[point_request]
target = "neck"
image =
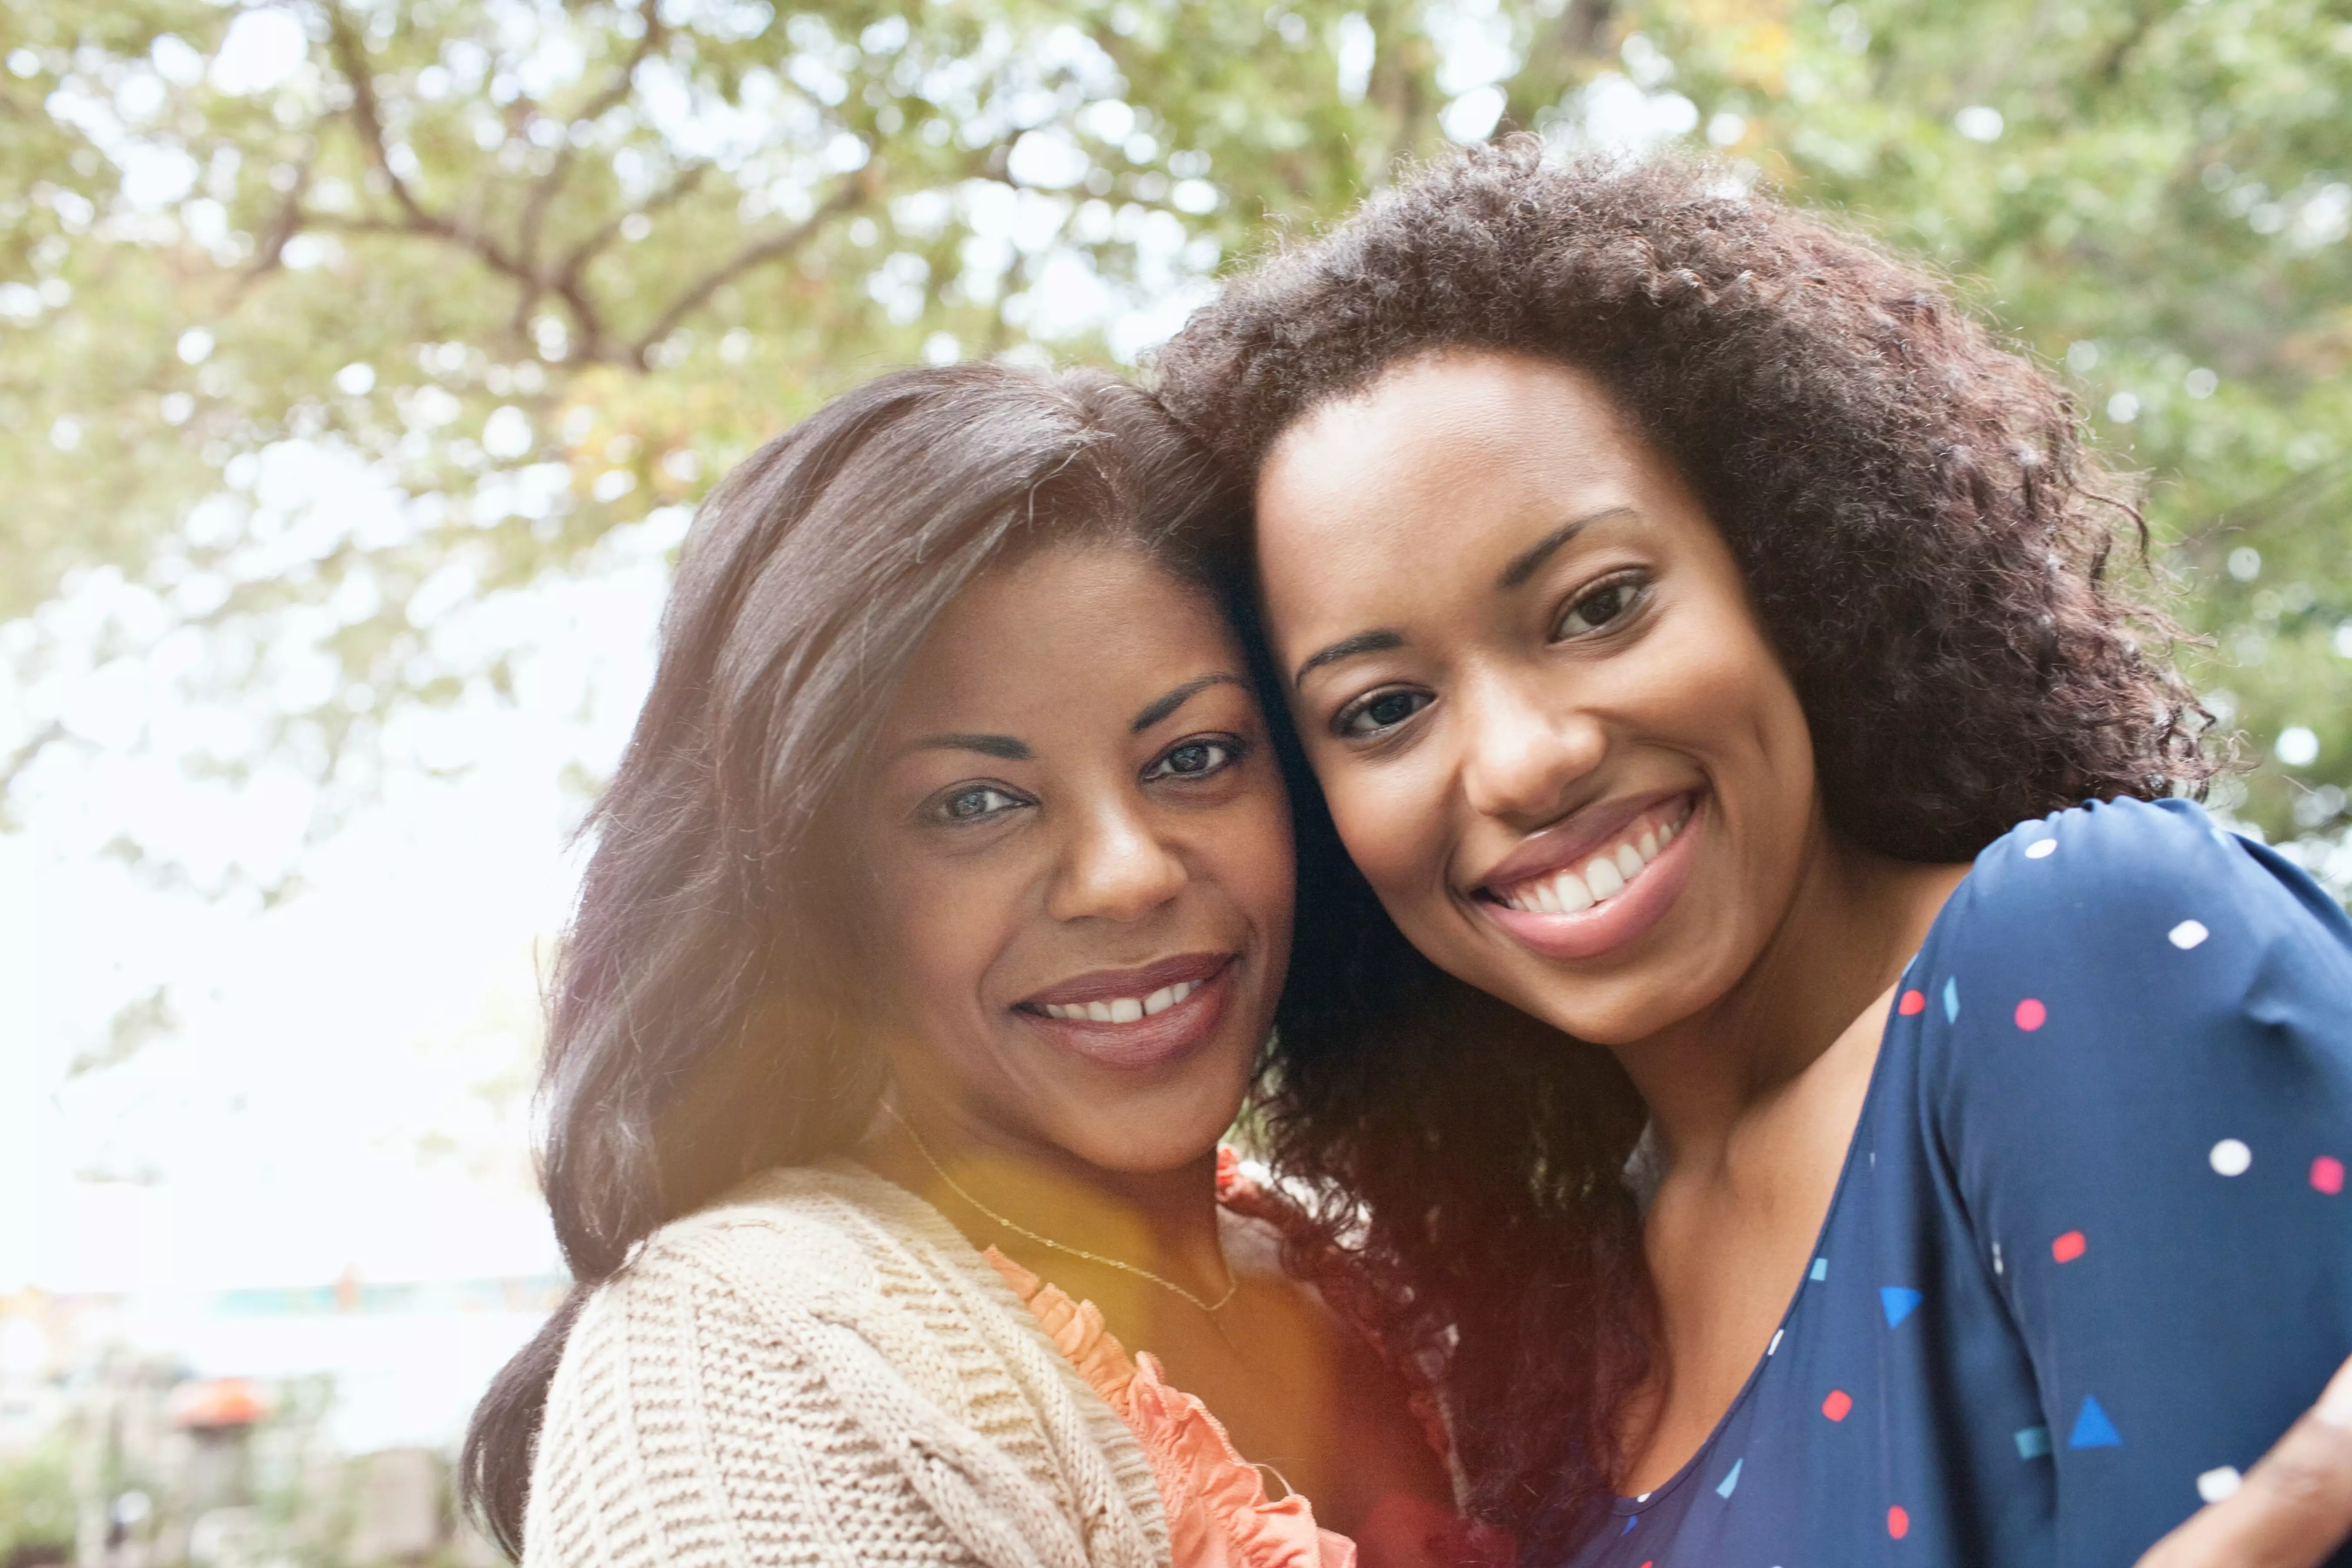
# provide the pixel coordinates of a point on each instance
(981, 1177)
(1856, 919)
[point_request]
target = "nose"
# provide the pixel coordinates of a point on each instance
(1116, 866)
(1524, 749)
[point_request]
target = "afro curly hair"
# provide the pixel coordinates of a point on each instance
(1927, 542)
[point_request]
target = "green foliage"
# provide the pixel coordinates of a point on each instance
(549, 269)
(2154, 199)
(37, 1506)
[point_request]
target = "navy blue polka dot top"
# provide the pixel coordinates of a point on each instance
(2091, 1252)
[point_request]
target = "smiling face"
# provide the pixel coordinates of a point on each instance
(1524, 665)
(1080, 863)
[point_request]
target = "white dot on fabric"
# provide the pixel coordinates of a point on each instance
(2231, 1157)
(2041, 848)
(2215, 1485)
(2188, 934)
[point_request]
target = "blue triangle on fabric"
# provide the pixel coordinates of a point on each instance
(1630, 1521)
(1820, 1268)
(1899, 1301)
(1952, 1000)
(2093, 1429)
(1731, 1482)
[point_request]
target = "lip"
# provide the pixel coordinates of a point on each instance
(1108, 985)
(1612, 923)
(1575, 840)
(1165, 1036)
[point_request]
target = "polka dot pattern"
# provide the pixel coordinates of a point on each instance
(2060, 1108)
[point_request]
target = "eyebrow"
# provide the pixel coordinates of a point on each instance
(1002, 746)
(1160, 708)
(1526, 562)
(1347, 647)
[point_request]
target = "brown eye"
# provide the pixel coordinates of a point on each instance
(1381, 711)
(1195, 759)
(1598, 608)
(967, 804)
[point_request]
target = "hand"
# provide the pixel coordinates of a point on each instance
(2292, 1509)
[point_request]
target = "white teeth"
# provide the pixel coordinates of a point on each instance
(1123, 1009)
(1603, 877)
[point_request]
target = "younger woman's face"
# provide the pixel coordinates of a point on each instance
(1080, 862)
(1522, 660)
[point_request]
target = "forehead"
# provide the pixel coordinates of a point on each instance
(1058, 631)
(1446, 461)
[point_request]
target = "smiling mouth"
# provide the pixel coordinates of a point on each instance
(1133, 1018)
(1605, 875)
(1121, 1009)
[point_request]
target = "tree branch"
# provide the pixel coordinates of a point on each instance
(23, 757)
(568, 277)
(543, 190)
(852, 192)
(350, 55)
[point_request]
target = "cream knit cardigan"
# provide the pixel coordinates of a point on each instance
(821, 1370)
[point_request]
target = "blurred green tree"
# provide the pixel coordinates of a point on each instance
(547, 270)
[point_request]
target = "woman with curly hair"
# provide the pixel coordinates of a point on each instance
(1767, 1020)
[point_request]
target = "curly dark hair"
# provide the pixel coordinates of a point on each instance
(1926, 541)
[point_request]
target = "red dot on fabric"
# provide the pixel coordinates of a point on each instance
(2031, 1014)
(1898, 1523)
(1837, 1404)
(2328, 1175)
(2069, 1246)
(1913, 1002)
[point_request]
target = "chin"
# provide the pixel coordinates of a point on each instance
(1150, 1142)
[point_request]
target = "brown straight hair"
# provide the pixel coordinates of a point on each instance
(699, 1029)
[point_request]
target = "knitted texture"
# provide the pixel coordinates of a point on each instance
(820, 1369)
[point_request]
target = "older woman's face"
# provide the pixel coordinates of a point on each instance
(1524, 665)
(1080, 863)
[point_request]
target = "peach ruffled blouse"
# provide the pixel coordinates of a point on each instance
(1219, 1515)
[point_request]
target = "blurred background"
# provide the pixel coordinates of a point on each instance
(360, 363)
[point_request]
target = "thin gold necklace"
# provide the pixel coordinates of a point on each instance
(1232, 1281)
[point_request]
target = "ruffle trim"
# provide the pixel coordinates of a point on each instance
(1218, 1513)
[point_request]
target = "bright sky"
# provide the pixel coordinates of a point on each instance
(345, 1084)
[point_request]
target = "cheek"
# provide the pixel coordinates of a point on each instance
(936, 937)
(1252, 857)
(1391, 821)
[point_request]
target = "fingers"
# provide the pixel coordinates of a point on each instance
(2292, 1509)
